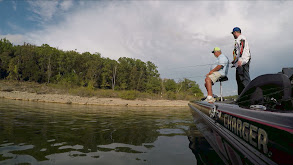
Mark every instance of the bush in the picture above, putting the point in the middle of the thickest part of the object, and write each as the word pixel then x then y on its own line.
pixel 107 93
pixel 181 96
pixel 128 95
pixel 82 91
pixel 171 95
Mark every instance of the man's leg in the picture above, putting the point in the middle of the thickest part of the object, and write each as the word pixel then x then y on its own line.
pixel 239 79
pixel 246 76
pixel 208 85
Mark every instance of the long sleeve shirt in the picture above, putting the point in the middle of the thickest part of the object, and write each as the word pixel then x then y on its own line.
pixel 241 51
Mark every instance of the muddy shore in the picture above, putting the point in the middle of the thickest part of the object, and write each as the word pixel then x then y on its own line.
pixel 69 99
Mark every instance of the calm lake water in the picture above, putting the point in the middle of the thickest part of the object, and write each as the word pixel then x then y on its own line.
pixel 46 133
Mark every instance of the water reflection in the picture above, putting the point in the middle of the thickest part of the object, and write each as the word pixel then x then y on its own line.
pixel 44 133
pixel 202 150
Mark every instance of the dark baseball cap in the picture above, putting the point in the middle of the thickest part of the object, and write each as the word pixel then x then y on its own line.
pixel 236 29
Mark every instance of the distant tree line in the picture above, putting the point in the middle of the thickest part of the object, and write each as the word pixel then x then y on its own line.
pixel 45 64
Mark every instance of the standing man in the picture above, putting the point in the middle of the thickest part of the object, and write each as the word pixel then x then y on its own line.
pixel 220 70
pixel 241 59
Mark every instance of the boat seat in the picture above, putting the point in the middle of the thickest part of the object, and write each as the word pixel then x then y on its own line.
pixel 222 79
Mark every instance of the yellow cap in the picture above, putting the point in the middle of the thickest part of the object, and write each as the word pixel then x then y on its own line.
pixel 216 49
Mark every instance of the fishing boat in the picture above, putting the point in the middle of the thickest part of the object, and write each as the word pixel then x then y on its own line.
pixel 257 128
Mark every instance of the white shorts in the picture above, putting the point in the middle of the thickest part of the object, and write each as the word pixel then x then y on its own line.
pixel 215 76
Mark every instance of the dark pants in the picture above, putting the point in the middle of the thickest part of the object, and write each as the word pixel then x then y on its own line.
pixel 242 77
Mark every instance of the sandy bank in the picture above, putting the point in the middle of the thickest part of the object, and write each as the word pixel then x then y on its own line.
pixel 69 99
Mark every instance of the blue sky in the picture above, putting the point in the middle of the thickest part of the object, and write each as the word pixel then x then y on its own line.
pixel 176 35
pixel 21 16
pixel 14 17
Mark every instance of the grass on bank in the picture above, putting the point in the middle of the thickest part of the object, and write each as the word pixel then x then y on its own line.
pixel 234 97
pixel 33 87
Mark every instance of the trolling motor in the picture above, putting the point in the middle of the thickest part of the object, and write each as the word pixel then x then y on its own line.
pixel 270 91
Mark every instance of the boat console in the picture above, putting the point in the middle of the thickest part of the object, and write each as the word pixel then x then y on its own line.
pixel 273 91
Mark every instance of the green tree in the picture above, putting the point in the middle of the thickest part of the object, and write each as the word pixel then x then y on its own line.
pixel 153 84
pixel 6 54
pixel 45 64
pixel 170 85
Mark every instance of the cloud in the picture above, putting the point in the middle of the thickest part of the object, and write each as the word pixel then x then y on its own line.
pixel 14 5
pixel 15 27
pixel 43 10
pixel 66 4
pixel 16 39
pixel 172 34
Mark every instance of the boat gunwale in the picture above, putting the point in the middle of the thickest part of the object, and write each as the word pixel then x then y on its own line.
pixel 278 120
pixel 246 149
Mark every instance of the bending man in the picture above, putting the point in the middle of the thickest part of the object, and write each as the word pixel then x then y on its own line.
pixel 221 70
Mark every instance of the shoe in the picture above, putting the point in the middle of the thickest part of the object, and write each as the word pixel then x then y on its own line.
pixel 210 100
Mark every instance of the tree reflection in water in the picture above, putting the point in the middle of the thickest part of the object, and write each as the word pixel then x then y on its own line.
pixel 44 133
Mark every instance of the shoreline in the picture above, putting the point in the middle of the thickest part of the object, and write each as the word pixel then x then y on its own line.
pixel 70 99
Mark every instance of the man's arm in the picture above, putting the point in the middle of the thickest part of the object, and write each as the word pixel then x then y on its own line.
pixel 218 67
pixel 244 57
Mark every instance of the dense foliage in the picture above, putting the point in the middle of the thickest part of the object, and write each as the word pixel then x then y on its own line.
pixel 45 64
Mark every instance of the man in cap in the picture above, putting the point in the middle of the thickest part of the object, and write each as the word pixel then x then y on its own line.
pixel 241 59
pixel 220 70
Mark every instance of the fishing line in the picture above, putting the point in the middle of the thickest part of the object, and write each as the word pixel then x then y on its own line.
pixel 193 66
pixel 191 77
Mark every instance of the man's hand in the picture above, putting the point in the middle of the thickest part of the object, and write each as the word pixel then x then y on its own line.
pixel 209 73
pixel 239 63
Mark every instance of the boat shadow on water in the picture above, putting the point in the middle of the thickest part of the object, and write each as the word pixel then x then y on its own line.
pixel 201 149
